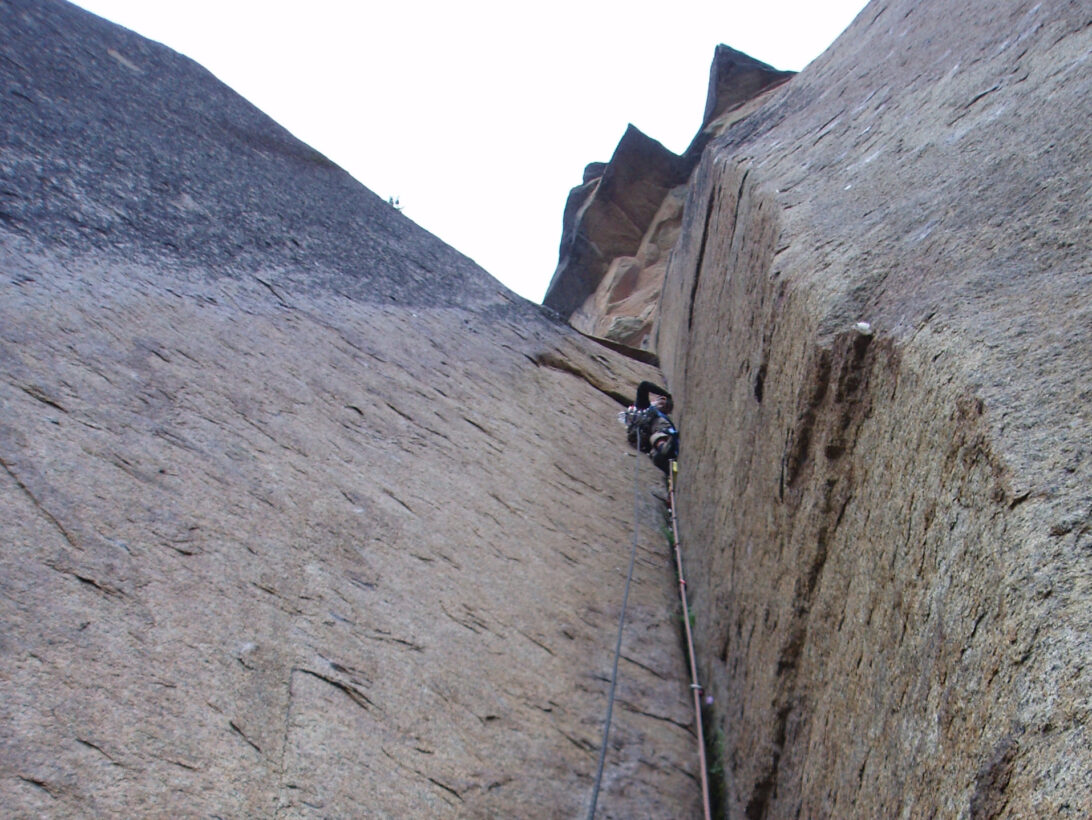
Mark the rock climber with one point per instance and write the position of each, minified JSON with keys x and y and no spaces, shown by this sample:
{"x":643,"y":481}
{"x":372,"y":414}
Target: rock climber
{"x":649,"y":428}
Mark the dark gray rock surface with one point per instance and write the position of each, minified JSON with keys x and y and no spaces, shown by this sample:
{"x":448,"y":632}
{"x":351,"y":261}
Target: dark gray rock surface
{"x":735,"y":78}
{"x":150,"y":156}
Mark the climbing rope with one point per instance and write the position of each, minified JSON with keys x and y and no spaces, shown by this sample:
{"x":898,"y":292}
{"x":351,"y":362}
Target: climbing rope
{"x":695,"y":687}
{"x":621,"y":624}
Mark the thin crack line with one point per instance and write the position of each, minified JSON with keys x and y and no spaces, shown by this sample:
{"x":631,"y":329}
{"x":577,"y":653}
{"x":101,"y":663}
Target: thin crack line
{"x":34,"y":499}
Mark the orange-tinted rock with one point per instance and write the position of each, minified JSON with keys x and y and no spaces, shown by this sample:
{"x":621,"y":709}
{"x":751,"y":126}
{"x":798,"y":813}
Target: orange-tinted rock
{"x":630,"y":209}
{"x":624,"y":306}
{"x":606,"y":217}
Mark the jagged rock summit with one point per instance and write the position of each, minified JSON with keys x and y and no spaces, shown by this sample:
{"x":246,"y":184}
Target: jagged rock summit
{"x":300,"y":510}
{"x":621,"y":223}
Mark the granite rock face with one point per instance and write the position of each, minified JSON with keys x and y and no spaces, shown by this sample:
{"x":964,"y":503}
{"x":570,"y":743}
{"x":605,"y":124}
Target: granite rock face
{"x":299,"y":511}
{"x":304,"y":515}
{"x":877,"y":327}
{"x":621,"y":222}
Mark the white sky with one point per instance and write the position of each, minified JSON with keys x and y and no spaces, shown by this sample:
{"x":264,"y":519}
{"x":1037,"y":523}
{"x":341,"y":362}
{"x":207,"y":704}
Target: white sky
{"x":480,"y":115}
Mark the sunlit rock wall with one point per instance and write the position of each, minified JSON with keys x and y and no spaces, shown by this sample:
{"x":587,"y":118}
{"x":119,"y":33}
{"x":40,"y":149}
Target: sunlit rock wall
{"x":890,"y":523}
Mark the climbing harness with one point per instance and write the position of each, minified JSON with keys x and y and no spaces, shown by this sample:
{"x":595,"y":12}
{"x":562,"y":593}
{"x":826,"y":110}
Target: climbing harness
{"x":695,"y":688}
{"x":636,"y":421}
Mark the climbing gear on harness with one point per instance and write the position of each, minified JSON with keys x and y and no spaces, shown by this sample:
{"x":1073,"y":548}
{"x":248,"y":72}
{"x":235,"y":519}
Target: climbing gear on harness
{"x":658,"y":435}
{"x":636,"y":421}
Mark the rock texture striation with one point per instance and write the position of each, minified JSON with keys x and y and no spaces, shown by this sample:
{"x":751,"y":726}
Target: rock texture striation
{"x":304,"y":515}
{"x":876,"y":322}
{"x":300,"y":514}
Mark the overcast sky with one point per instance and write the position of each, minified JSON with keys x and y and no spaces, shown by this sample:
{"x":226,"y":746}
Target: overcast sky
{"x":480,"y":116}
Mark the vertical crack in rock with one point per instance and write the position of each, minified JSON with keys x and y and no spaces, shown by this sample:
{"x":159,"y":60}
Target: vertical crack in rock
{"x":286,"y":736}
{"x":699,"y":265}
{"x":835,"y":402}
{"x":816,"y":384}
{"x":891,"y":573}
